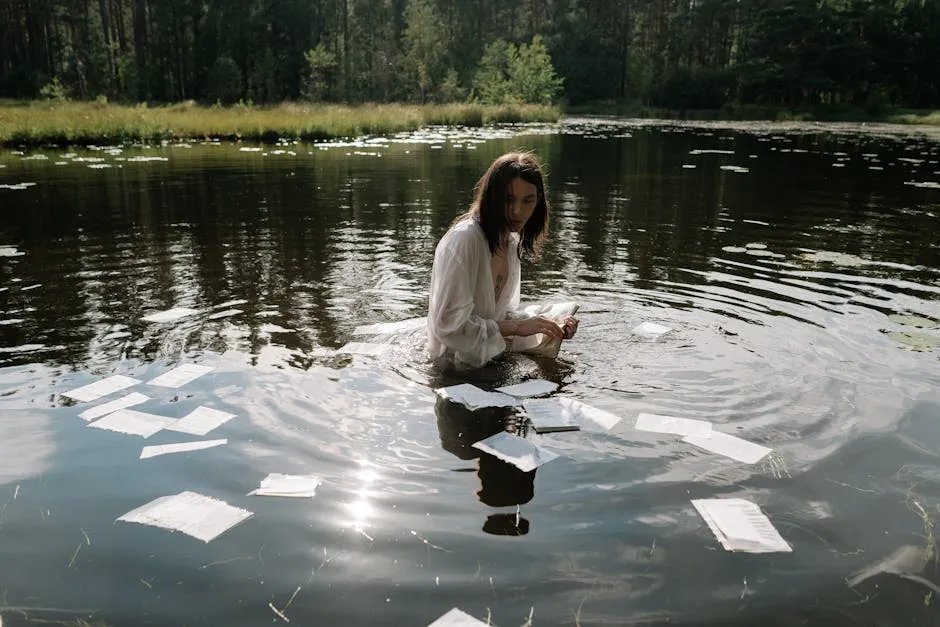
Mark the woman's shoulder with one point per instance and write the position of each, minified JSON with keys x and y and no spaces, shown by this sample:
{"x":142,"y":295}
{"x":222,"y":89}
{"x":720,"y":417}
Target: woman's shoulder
{"x":466,"y":232}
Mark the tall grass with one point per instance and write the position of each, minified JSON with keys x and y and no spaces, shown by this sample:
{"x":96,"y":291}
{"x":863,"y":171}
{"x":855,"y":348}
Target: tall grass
{"x":87,"y":122}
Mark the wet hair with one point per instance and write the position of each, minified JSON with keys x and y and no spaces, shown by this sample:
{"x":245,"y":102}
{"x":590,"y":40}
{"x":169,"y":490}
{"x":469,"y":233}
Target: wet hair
{"x":489,"y":202}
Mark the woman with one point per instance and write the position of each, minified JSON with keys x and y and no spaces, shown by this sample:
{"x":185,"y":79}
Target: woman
{"x":475,"y":281}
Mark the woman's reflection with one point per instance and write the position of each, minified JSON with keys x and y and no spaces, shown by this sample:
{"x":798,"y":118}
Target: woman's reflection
{"x":501,"y":484}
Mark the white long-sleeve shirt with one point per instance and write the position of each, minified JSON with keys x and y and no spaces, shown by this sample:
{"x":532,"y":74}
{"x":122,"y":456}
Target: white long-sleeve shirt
{"x":463,"y":313}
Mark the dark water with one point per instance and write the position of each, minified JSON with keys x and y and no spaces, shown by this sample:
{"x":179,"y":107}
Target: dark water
{"x":805,"y":299}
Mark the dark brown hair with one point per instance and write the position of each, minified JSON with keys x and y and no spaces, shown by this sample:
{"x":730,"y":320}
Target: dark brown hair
{"x":489,"y":202}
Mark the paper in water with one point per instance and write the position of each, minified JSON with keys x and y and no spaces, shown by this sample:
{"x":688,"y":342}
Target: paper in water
{"x":517,"y":451}
{"x":293,"y":486}
{"x":94,"y":391}
{"x":674,"y":426}
{"x":457,"y":618}
{"x":170,"y":315}
{"x":741,"y":526}
{"x":165,"y":449}
{"x":181,"y":375}
{"x":195,"y":515}
{"x":474,"y":398}
{"x":540,"y":344}
{"x":133,"y":422}
{"x":134,"y":398}
{"x":532,"y":387}
{"x":224,"y":314}
{"x":364,"y":348}
{"x":729,"y":446}
{"x":201,"y":421}
{"x":392,"y":328}
{"x":651,"y":328}
{"x":554,"y":412}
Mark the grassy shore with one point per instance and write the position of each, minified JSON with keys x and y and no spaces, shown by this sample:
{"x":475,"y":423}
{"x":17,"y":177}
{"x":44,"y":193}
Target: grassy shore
{"x":33,"y":123}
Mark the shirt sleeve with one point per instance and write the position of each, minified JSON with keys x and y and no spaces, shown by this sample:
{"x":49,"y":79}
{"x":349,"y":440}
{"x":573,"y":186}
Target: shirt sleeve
{"x":474,"y":339}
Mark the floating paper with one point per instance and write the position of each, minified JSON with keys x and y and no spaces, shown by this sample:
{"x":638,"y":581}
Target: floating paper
{"x":651,"y":328}
{"x":96,"y":390}
{"x":675,"y":426}
{"x":181,"y":375}
{"x":195,"y":515}
{"x":532,"y":387}
{"x":223,"y":314}
{"x":729,"y":446}
{"x":134,"y":398}
{"x":457,"y":618}
{"x":133,"y":422}
{"x":474,"y":398}
{"x":389,"y":328}
{"x":364,"y":348}
{"x":201,"y":421}
{"x":170,"y":314}
{"x":517,"y":451}
{"x":293,"y":486}
{"x":740,"y":525}
{"x":164,"y":449}
{"x":548,"y":413}
{"x":540,"y":344}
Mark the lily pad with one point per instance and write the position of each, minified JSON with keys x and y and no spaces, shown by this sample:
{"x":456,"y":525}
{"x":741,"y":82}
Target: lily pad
{"x":914,"y":321}
{"x":915,"y":340}
{"x":839,"y":259}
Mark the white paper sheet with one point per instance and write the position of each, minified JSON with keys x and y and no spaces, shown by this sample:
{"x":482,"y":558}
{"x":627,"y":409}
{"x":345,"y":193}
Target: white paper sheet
{"x":729,"y":446}
{"x":540,"y":344}
{"x":170,"y":315}
{"x":133,"y":422}
{"x":532,"y":387}
{"x":134,"y":398}
{"x":183,"y":447}
{"x":364,"y":348}
{"x":224,"y":314}
{"x":517,"y":451}
{"x":555,"y":412}
{"x":181,"y":375}
{"x":96,"y":390}
{"x":392,"y":328}
{"x":651,"y":328}
{"x":741,"y":526}
{"x":201,"y":421}
{"x":675,"y":426}
{"x":457,"y":618}
{"x":474,"y":398}
{"x":194,"y":514}
{"x":292,"y":486}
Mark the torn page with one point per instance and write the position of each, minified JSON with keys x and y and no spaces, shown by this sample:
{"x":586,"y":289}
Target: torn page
{"x":555,"y":412}
{"x":292,"y":486}
{"x":517,"y":451}
{"x":195,"y":515}
{"x":183,"y":447}
{"x":675,"y":426}
{"x":134,"y":398}
{"x":392,"y":328}
{"x":170,"y":315}
{"x":651,"y":328}
{"x":181,"y":375}
{"x":133,"y":422}
{"x":96,"y":390}
{"x":201,"y":421}
{"x":541,"y":344}
{"x":741,"y":526}
{"x":457,"y":618}
{"x":364,"y":348}
{"x":729,"y":446}
{"x":532,"y":387}
{"x":474,"y":398}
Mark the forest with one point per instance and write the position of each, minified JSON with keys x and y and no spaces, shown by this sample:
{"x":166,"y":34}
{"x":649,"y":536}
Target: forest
{"x":678,"y":54}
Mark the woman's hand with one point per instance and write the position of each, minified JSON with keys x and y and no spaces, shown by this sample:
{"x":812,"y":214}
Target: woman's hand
{"x":531,"y":326}
{"x":569,"y":327}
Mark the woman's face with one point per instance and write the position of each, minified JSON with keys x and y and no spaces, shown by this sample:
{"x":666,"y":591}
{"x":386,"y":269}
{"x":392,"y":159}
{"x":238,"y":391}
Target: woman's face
{"x":521,"y":199}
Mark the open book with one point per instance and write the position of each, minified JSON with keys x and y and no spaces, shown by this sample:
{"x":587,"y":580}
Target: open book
{"x":540,"y":344}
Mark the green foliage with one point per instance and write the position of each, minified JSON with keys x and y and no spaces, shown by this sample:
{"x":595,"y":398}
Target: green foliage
{"x":450,"y":89}
{"x":225,"y":81}
{"x":508,"y":74}
{"x":54,"y":90}
{"x":320,"y":74}
{"x":424,"y":45}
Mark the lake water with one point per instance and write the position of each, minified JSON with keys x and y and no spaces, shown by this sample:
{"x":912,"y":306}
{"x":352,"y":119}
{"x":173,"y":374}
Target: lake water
{"x":799,"y":267}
